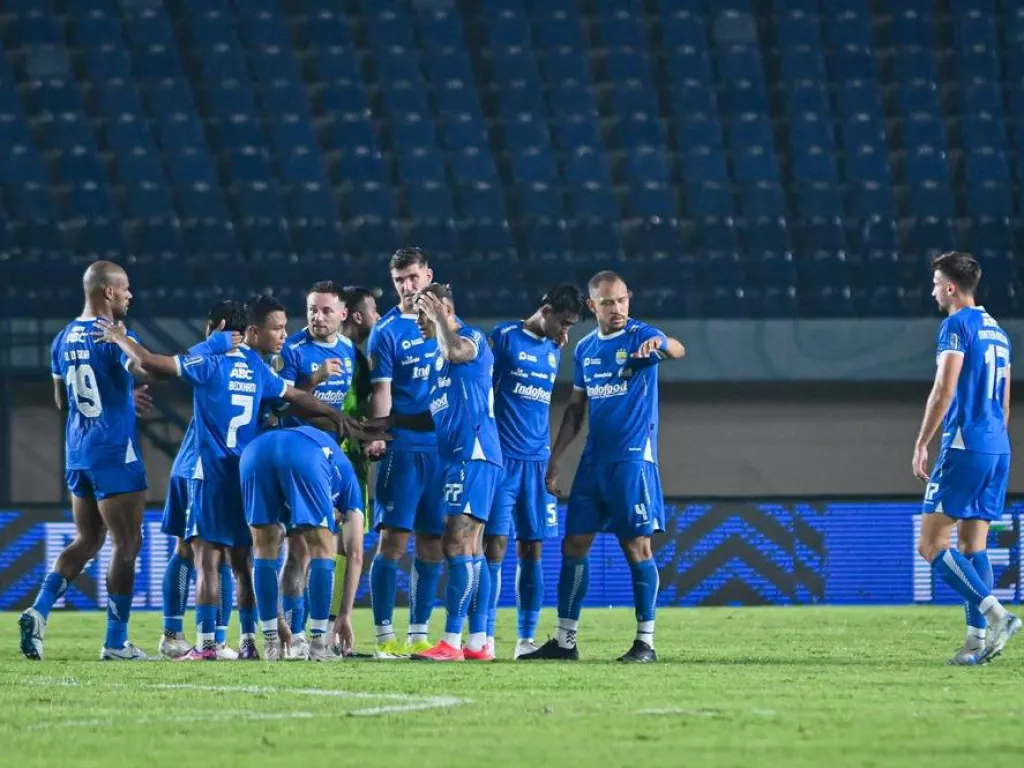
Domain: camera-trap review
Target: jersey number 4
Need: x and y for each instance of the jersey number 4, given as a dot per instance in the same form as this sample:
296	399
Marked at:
82	379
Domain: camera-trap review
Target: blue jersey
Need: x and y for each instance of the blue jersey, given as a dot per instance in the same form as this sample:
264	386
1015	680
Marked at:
303	355
185	462
622	392
398	353
101	429
346	491
525	366
228	391
975	420
462	405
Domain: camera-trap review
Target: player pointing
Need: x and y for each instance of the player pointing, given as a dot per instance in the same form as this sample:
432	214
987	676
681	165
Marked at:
967	486
617	487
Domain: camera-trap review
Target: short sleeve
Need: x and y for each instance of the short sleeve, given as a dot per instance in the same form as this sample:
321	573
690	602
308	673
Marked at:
646	333
289	365
474	336
55	356
381	360
123	359
346	493
274	386
197	370
577	369
951	338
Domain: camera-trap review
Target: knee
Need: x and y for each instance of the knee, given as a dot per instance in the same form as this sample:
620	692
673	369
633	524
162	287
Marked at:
495	548
429	548
575	546
321	544
127	545
182	550
393	544
927	549
637	550
528	550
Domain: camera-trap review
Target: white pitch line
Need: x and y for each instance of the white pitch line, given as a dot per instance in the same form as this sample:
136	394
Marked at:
407	702
164	719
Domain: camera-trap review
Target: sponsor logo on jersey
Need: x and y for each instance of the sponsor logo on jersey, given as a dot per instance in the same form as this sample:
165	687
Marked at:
438	363
527	357
532	392
438	404
410	343
598	391
591	361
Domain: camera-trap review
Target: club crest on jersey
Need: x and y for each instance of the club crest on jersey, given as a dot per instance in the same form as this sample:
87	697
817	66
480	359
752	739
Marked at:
438	363
620	357
276	363
551	360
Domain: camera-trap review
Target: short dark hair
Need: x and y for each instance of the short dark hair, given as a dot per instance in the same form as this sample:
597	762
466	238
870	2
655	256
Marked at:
604	276
564	297
260	307
232	313
441	290
408	256
960	268
354	296
325	286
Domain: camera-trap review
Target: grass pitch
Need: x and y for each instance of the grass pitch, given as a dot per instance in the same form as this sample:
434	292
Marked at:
735	686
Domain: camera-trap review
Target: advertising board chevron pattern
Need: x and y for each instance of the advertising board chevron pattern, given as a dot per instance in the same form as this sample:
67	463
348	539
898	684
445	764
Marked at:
714	552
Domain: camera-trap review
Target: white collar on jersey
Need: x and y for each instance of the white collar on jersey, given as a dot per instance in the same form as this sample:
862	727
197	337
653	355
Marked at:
531	334
602	337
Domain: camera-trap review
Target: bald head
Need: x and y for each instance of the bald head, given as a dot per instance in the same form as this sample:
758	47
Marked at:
106	289
102	274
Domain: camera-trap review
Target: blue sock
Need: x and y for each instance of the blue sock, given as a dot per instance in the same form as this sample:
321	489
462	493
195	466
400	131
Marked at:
247	619
573	580
422	595
119	610
294	607
492	611
227	601
480	603
54	587
265	582
206	627
383	582
321	585
645	598
460	591
980	561
529	597
957	571
177	577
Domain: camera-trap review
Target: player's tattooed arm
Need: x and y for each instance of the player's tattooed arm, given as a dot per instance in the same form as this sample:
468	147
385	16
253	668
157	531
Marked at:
573	418
450	345
941	397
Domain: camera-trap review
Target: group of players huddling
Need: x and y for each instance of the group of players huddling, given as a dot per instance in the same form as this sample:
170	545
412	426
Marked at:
284	429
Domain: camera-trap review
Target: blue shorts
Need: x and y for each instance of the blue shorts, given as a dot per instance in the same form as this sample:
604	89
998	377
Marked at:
968	486
286	480
408	493
175	507
215	512
100	484
523	497
623	498
468	488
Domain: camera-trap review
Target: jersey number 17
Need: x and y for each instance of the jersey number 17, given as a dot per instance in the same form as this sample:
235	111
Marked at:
997	360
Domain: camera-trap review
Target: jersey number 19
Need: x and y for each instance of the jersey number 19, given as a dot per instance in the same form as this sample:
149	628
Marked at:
82	379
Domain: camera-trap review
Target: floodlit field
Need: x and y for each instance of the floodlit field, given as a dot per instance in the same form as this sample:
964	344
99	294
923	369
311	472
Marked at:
736	686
